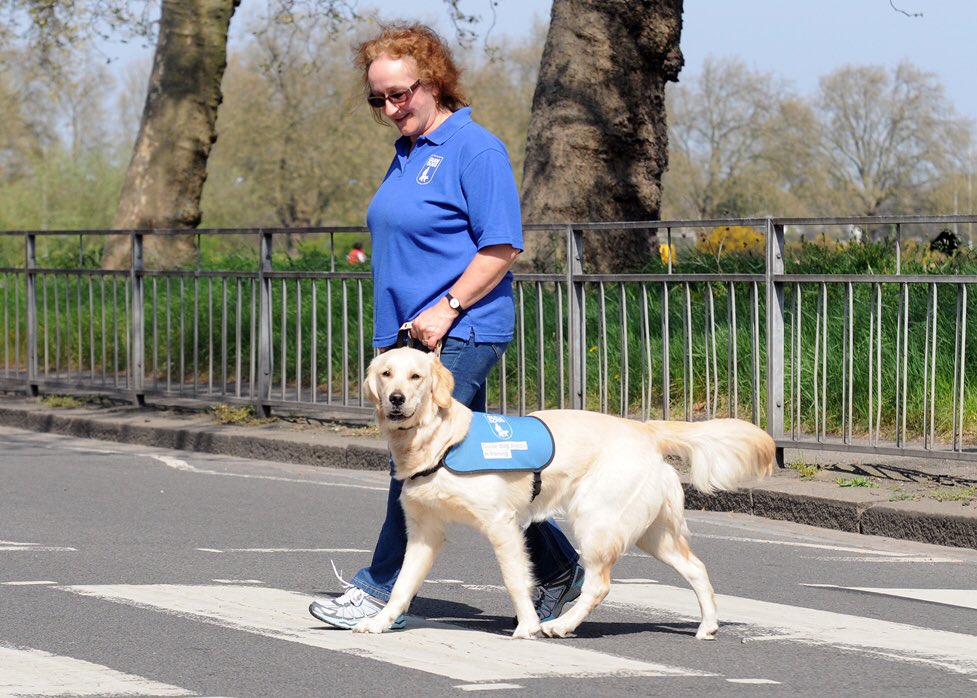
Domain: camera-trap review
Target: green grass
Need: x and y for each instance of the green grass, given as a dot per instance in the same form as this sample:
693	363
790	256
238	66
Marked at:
954	494
806	471
240	416
856	481
59	401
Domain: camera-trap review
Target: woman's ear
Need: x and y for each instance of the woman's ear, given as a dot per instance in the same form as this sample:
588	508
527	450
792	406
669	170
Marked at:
442	383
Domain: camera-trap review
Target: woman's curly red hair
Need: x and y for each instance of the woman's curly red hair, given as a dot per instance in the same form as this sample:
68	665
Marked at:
435	65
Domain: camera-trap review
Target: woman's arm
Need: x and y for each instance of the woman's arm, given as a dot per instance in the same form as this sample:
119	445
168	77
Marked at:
485	271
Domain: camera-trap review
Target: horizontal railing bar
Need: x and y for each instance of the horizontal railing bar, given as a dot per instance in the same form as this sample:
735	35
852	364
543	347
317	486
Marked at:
877	278
94	386
872	221
868	221
668	278
318	275
80	271
200	273
538	278
643	225
930	454
189	231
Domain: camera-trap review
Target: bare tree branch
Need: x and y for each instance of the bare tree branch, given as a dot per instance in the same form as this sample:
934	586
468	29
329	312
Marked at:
914	14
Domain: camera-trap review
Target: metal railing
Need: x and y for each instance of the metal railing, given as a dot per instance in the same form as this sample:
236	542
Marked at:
640	345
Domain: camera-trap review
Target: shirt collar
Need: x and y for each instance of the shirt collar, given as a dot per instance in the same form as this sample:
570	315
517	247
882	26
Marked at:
442	133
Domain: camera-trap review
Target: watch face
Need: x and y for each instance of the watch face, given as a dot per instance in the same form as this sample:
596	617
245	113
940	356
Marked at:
454	303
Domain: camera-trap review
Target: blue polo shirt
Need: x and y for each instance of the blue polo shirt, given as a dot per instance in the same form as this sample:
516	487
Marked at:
440	203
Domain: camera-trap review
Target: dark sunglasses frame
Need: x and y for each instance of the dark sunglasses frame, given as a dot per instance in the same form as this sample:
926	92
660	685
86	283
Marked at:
397	98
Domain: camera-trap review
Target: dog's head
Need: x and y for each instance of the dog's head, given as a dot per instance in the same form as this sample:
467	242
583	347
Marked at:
407	385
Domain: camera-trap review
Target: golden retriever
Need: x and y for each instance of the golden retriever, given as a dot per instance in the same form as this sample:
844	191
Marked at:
608	476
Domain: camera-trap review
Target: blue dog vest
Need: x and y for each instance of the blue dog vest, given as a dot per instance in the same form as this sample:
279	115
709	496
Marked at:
498	443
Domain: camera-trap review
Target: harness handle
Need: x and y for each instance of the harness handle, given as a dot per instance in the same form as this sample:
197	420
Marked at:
406	339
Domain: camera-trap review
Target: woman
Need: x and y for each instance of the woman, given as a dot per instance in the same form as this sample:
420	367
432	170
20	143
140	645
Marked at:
446	228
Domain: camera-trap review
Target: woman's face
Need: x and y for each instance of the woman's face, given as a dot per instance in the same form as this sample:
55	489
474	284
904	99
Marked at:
419	114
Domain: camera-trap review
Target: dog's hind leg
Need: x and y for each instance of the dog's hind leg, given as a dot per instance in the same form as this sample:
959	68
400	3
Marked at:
509	546
671	547
424	542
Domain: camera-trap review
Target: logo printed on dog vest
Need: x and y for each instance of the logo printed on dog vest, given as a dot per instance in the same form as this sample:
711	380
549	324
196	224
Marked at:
430	167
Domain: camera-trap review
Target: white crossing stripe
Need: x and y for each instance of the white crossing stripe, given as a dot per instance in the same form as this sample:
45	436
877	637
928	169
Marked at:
907	557
753	681
964	598
183	466
489	686
31	672
284	550
949	650
26	583
9	546
437	648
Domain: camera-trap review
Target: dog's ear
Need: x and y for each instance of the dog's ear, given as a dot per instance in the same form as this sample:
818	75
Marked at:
370	390
442	383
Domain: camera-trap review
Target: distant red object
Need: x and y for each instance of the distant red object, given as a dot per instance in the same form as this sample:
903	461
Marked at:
356	255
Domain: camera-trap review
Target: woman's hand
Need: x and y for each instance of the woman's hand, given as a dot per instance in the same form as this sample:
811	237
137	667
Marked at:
433	324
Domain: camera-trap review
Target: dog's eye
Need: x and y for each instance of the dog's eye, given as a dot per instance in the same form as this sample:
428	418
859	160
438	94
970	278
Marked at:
415	376
386	373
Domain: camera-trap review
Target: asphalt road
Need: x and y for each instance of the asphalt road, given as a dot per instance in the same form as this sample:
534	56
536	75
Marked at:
131	571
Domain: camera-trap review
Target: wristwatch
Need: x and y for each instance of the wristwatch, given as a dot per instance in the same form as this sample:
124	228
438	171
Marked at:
453	302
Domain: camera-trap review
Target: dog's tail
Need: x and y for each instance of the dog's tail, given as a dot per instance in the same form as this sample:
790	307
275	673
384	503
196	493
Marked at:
723	453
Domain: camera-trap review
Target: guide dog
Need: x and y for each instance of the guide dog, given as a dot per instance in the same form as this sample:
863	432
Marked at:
608	475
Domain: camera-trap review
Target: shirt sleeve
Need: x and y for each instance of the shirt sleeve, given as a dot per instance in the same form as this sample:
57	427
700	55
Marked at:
489	186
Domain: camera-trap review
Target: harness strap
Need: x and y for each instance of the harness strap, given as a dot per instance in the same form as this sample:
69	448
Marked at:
537	479
429	471
406	339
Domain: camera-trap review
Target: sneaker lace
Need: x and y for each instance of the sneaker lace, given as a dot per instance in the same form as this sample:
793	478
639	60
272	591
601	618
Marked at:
351	594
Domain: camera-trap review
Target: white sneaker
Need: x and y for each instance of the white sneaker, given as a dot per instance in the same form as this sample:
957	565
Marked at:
349	609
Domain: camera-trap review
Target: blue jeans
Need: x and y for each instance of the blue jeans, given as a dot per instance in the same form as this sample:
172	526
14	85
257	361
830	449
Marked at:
551	554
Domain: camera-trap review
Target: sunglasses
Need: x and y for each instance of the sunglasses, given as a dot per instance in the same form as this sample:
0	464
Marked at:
396	98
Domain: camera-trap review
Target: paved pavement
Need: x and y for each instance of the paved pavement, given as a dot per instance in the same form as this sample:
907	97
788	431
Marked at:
904	502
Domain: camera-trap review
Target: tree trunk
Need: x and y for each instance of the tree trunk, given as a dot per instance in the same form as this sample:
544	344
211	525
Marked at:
598	139
166	175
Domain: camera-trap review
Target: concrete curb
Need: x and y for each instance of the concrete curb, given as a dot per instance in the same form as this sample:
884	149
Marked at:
226	441
782	497
855	511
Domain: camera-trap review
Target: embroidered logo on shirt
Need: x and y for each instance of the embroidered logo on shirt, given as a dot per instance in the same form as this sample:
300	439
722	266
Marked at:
430	167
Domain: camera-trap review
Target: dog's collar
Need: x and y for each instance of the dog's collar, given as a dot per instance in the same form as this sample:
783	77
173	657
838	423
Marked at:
537	479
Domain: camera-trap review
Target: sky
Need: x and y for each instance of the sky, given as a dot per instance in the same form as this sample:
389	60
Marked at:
798	40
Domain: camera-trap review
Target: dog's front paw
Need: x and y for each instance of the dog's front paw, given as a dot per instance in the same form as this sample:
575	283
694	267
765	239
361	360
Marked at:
554	628
526	631
707	631
373	626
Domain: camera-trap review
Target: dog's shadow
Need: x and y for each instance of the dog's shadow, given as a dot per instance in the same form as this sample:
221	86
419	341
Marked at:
471	617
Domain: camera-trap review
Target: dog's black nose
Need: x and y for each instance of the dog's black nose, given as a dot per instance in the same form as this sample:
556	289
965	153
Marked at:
397	399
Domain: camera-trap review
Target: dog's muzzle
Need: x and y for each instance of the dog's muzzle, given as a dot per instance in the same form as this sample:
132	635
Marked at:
396	411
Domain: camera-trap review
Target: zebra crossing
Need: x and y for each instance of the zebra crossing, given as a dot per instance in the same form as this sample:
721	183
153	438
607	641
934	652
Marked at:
479	660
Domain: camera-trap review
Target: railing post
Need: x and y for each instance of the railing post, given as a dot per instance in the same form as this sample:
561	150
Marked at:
775	334
264	325
576	319
137	342
30	277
